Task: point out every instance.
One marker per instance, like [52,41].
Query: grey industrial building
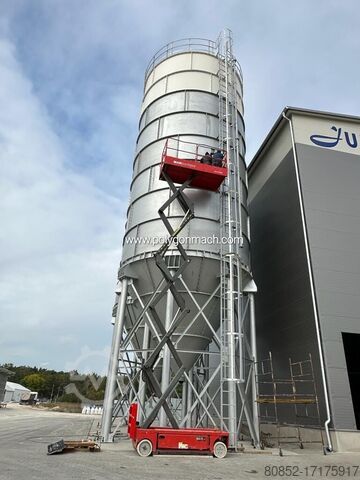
[304,201]
[4,375]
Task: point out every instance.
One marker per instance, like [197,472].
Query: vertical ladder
[232,371]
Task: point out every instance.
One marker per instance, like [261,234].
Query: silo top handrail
[182,45]
[187,45]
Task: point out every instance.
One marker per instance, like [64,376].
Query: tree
[48,382]
[35,382]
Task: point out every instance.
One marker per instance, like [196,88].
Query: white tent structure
[13,392]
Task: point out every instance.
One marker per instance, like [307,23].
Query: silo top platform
[205,165]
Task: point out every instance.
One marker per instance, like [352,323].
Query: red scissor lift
[182,163]
[155,440]
[182,160]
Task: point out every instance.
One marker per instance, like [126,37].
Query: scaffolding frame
[298,391]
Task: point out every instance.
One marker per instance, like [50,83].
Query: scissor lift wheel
[220,450]
[144,448]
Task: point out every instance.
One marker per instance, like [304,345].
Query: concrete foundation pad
[346,441]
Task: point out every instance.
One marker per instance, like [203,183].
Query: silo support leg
[248,412]
[113,364]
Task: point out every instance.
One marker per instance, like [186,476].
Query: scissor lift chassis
[157,440]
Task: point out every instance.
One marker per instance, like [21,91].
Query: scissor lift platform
[180,169]
[157,440]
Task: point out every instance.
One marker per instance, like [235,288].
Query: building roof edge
[280,120]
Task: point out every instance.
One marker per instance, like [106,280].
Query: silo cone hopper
[194,333]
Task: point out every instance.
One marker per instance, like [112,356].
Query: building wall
[284,310]
[329,172]
[3,379]
[330,179]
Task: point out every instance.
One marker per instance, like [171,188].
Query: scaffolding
[297,394]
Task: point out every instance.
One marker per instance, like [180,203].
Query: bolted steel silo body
[182,104]
[180,100]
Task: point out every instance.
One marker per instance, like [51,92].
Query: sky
[71,80]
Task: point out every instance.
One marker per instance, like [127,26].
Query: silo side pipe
[255,410]
[142,386]
[113,364]
[316,316]
[189,398]
[184,399]
[165,378]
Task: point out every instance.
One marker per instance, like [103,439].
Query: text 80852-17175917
[312,471]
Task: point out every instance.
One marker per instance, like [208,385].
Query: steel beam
[114,363]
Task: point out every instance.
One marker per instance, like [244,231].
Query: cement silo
[192,102]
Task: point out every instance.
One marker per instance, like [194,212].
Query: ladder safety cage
[232,302]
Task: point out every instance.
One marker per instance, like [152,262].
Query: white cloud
[60,235]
